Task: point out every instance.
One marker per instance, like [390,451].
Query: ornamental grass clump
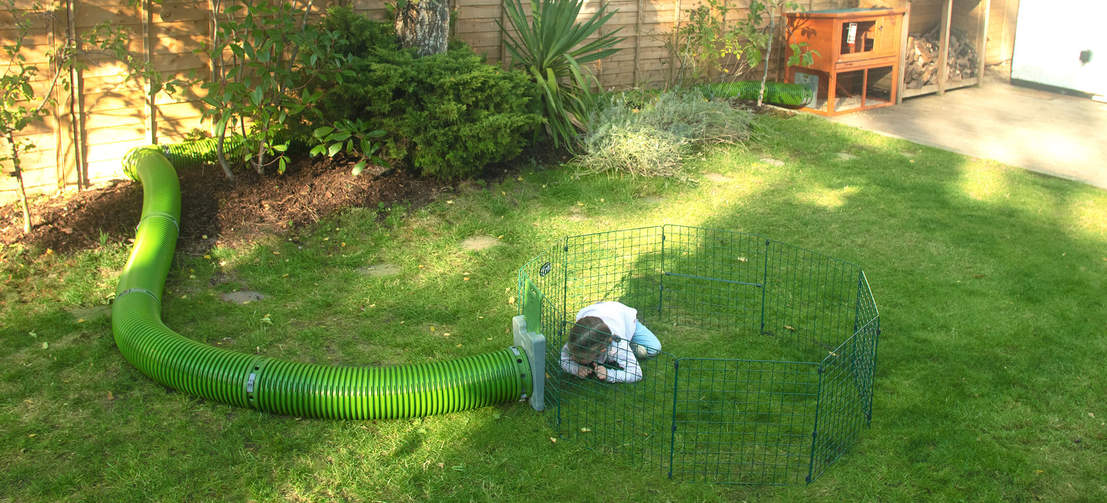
[654,137]
[634,149]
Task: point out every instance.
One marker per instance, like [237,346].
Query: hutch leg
[864,86]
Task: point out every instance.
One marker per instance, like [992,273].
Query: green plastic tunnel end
[269,384]
[776,93]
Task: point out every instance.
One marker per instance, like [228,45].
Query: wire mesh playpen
[768,352]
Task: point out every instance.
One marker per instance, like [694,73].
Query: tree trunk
[424,25]
[17,172]
[768,51]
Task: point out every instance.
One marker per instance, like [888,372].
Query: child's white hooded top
[621,321]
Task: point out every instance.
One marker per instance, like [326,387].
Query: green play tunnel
[269,384]
[776,93]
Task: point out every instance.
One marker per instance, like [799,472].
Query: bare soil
[214,209]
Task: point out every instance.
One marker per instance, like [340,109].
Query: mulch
[213,208]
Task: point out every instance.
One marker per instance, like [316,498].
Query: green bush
[651,137]
[470,115]
[357,35]
[449,115]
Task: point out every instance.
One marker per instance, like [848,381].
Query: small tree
[800,53]
[22,106]
[708,48]
[273,53]
[18,98]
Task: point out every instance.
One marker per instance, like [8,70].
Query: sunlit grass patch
[827,198]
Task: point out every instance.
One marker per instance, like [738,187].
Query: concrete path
[1046,132]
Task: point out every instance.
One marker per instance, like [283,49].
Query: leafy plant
[773,6]
[801,55]
[273,53]
[17,97]
[23,106]
[350,137]
[196,134]
[709,48]
[550,45]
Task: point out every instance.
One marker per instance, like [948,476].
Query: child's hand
[601,373]
[583,371]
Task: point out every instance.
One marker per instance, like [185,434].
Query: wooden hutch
[858,58]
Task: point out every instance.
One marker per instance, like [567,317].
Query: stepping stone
[90,313]
[716,178]
[477,243]
[772,162]
[243,296]
[381,270]
[846,156]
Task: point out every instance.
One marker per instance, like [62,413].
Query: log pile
[922,58]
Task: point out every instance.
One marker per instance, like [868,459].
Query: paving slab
[1046,132]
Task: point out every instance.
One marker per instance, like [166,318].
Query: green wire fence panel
[769,352]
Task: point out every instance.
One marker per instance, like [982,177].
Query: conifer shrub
[446,115]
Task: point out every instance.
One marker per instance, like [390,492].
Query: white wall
[1048,41]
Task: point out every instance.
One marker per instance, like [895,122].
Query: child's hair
[588,339]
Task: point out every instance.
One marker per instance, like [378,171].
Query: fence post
[565,284]
[77,101]
[764,285]
[661,277]
[857,307]
[150,105]
[61,135]
[500,34]
[815,430]
[637,40]
[672,53]
[672,438]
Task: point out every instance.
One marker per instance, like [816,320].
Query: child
[608,333]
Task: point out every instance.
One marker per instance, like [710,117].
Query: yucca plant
[550,46]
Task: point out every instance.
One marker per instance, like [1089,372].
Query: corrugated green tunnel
[268,384]
[776,93]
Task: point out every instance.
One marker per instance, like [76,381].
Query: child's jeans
[643,337]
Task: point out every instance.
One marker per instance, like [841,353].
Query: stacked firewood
[922,58]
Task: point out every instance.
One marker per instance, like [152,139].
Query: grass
[990,381]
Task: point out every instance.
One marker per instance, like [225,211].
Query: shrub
[706,47]
[654,138]
[356,35]
[470,114]
[448,114]
[265,54]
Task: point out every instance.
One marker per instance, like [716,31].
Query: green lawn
[991,372]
